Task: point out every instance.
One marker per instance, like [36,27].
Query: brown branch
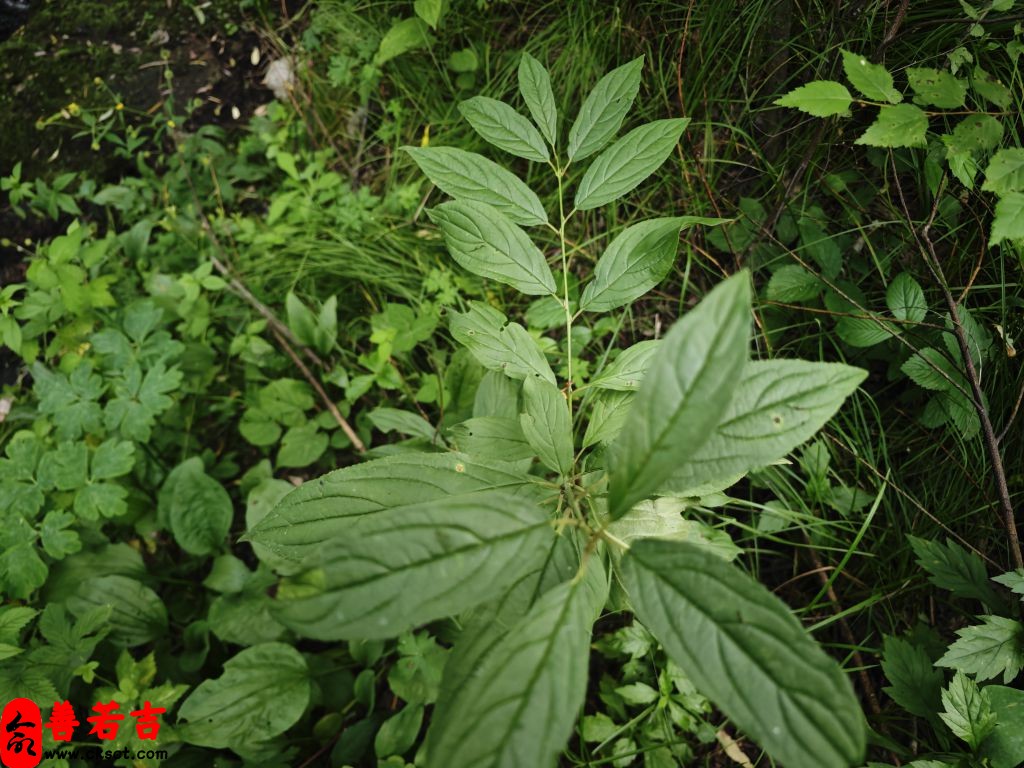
[931,260]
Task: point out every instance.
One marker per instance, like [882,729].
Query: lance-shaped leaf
[469,176]
[603,110]
[520,708]
[535,85]
[626,372]
[395,570]
[744,650]
[505,128]
[635,261]
[484,241]
[684,394]
[778,405]
[498,344]
[627,162]
[547,425]
[323,509]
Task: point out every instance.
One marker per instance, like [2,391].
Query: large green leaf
[469,176]
[323,509]
[484,241]
[821,98]
[196,508]
[505,128]
[603,110]
[902,125]
[635,261]
[994,647]
[262,693]
[744,650]
[627,162]
[777,406]
[1004,747]
[395,570]
[519,709]
[873,80]
[1008,223]
[1005,172]
[498,344]
[547,425]
[138,615]
[684,394]
[535,86]
[936,88]
[905,298]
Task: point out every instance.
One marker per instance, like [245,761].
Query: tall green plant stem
[560,174]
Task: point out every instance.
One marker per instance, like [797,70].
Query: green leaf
[302,445]
[986,650]
[990,89]
[663,519]
[872,80]
[505,128]
[535,86]
[905,298]
[792,282]
[486,243]
[499,345]
[914,683]
[978,133]
[1008,223]
[112,458]
[1005,172]
[495,438]
[609,413]
[637,260]
[13,619]
[604,109]
[138,616]
[404,422]
[903,125]
[472,177]
[139,399]
[967,710]
[953,568]
[54,536]
[397,569]
[22,570]
[403,36]
[101,500]
[743,649]
[821,98]
[262,693]
[323,509]
[1013,581]
[431,11]
[627,162]
[684,395]
[865,331]
[777,405]
[301,320]
[1004,747]
[520,708]
[626,371]
[71,401]
[197,508]
[398,733]
[936,88]
[547,425]
[926,367]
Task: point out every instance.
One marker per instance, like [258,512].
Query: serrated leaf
[990,89]
[872,80]
[1014,581]
[926,369]
[547,425]
[978,133]
[98,500]
[505,128]
[138,616]
[1008,223]
[520,708]
[55,537]
[403,567]
[764,672]
[865,331]
[72,401]
[777,405]
[953,568]
[994,647]
[627,162]
[22,570]
[13,619]
[535,86]
[484,241]
[1004,747]
[626,371]
[914,683]
[262,692]
[498,344]
[635,261]
[967,710]
[112,458]
[792,283]
[604,109]
[903,125]
[323,509]
[1005,172]
[936,88]
[821,98]
[472,177]
[905,298]
[684,394]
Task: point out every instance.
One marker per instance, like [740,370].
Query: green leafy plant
[526,548]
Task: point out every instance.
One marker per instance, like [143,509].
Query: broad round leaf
[744,650]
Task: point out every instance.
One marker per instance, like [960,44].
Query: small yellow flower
[98,80]
[119,106]
[73,108]
[171,124]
